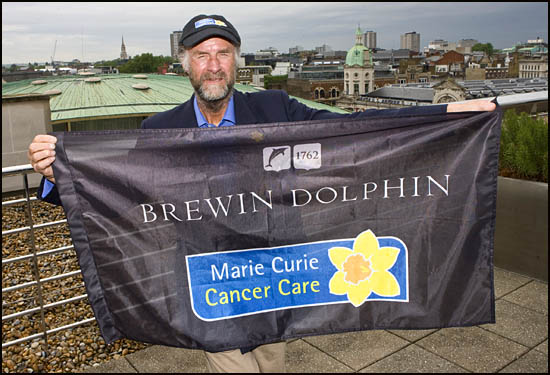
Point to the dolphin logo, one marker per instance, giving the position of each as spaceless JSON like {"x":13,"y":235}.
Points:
{"x":276,"y":152}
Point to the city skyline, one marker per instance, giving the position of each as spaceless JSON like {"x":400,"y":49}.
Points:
{"x":93,"y":31}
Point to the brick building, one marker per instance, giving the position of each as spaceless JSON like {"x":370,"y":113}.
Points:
{"x":451,"y":63}
{"x":323,"y":91}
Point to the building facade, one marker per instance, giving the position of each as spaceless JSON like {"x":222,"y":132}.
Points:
{"x":451,"y":63}
{"x":391,"y":57}
{"x":324,"y":50}
{"x":533,"y":67}
{"x":496,"y":72}
{"x":295,"y":50}
{"x":174,"y":43}
{"x":319,"y":90}
{"x":467,"y":42}
{"x":448,"y":91}
{"x":358,"y":69}
{"x":440,"y":45}
{"x":411,"y":41}
{"x":320,"y":81}
{"x":253,"y":74}
{"x":384,"y":75}
{"x":413,"y":71}
{"x":477,"y":74}
{"x":281,"y":68}
{"x":369,"y":39}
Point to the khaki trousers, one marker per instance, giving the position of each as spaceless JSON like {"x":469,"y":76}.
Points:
{"x":265,"y":358}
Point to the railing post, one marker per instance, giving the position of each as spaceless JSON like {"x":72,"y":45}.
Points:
{"x":35,"y":261}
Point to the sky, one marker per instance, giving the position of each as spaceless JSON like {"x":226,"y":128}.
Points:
{"x":93,"y":31}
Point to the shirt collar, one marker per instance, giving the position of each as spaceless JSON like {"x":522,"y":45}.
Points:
{"x":227,"y":120}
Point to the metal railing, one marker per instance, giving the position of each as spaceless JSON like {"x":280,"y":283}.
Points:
{"x":515,"y":99}
{"x":24,"y":170}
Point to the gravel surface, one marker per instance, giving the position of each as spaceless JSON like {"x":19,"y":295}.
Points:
{"x":69,"y":350}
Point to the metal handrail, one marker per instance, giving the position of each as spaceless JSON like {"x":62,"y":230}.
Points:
{"x":47,"y":252}
{"x":37,"y":226}
{"x":17,"y":169}
{"x":47,"y":279}
{"x":55,"y":304}
{"x":45,"y":333}
{"x":515,"y":99}
{"x":16,"y":201}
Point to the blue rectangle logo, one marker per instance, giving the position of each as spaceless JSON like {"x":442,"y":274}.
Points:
{"x":209,"y":21}
{"x":236,"y":283}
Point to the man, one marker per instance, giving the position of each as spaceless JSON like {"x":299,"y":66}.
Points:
{"x":210,"y":48}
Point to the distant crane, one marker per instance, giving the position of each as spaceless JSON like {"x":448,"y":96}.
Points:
{"x":53,"y":56}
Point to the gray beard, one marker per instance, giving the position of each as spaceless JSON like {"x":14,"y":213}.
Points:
{"x":212,"y":99}
{"x":212,"y":96}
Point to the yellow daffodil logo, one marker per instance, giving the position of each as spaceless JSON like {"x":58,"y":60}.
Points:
{"x":364,"y":269}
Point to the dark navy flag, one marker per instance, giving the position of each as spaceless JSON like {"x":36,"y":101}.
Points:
{"x":239,"y":236}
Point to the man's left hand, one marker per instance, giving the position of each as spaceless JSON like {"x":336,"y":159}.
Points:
{"x":476,"y":105}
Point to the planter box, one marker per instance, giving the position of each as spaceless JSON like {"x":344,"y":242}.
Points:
{"x":521,"y":234}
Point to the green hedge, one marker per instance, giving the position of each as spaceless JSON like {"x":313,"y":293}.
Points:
{"x":524,"y":147}
{"x":269,"y":80}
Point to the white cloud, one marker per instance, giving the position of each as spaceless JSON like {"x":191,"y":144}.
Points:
{"x":14,"y":28}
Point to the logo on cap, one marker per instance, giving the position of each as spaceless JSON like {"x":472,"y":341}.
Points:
{"x":209,"y":21}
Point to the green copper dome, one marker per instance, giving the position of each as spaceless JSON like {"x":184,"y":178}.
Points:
{"x":356,"y":55}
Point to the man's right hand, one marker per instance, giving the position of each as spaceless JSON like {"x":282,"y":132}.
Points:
{"x":41,"y":154}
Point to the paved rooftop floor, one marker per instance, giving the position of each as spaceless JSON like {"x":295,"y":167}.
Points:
{"x":517,"y":343}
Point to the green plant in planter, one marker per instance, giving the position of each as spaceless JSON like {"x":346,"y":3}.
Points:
{"x":524,"y":147}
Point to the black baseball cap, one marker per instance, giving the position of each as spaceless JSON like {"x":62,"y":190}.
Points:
{"x":202,"y":27}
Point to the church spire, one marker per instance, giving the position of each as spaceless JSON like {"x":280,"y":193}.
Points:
{"x":358,"y":36}
{"x":123,"y":54}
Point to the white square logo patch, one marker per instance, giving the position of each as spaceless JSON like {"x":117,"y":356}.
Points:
{"x":307,"y":156}
{"x":277,"y":158}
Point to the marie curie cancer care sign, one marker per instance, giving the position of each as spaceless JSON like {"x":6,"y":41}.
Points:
{"x":236,"y":283}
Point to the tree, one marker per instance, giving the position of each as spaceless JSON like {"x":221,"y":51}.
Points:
{"x":115,"y":62}
{"x":524,"y":147}
{"x":484,"y":47}
{"x":270,"y":80}
{"x":145,"y":63}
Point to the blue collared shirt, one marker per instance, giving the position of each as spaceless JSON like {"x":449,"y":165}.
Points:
{"x":48,"y":186}
{"x":227,"y":120}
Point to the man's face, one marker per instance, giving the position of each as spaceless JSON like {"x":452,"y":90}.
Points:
{"x":212,"y":69}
